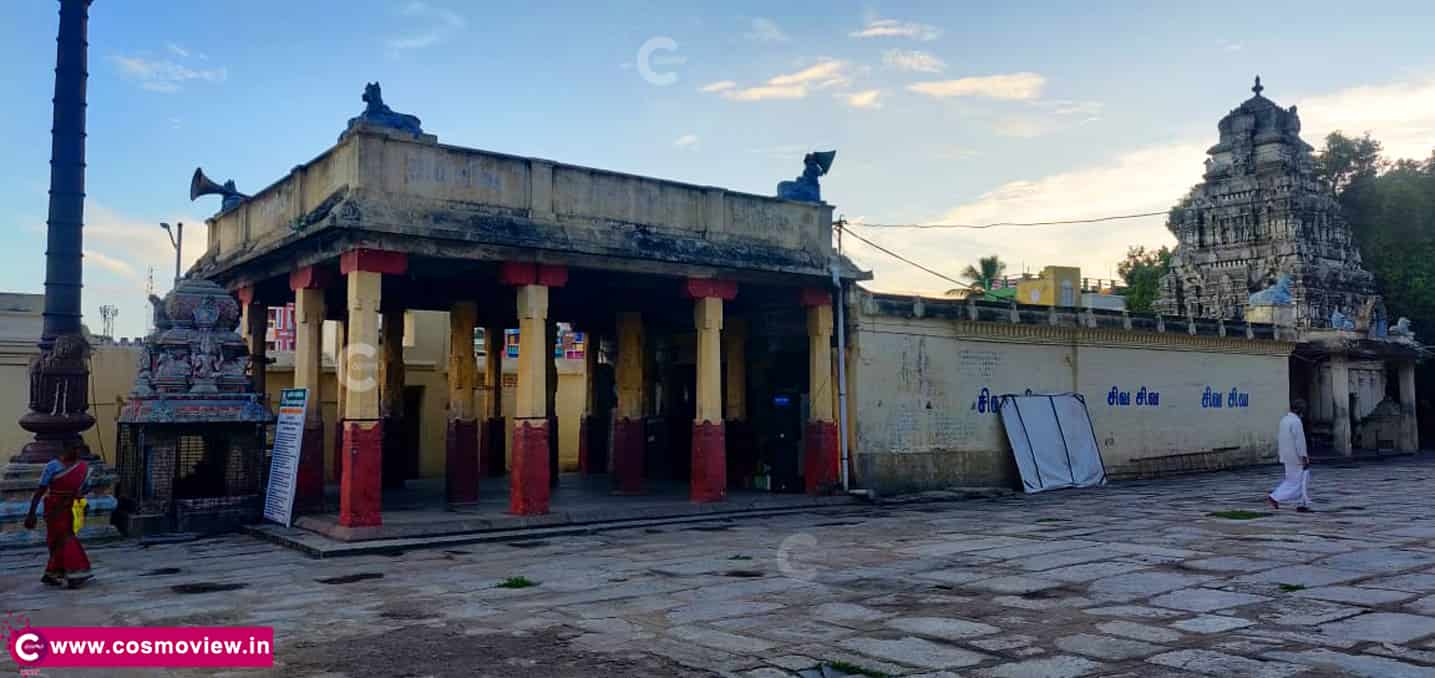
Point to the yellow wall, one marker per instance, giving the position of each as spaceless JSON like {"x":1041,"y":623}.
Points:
{"x":921,"y":422}
{"x":1046,"y":289}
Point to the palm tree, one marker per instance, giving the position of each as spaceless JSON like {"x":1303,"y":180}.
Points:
{"x":988,"y":270}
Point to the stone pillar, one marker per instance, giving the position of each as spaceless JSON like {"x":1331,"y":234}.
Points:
{"x":308,"y":284}
{"x":1409,"y":421}
{"x":820,"y":453}
{"x":254,"y":327}
{"x":628,"y":420}
{"x":529,"y":480}
{"x":461,"y":451}
{"x":495,"y":432}
{"x":341,"y":379}
{"x":1340,"y":405}
{"x":360,"y":490}
{"x":391,"y":398}
{"x":709,"y":460}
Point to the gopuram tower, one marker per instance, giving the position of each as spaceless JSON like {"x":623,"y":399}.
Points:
{"x":1261,"y":215}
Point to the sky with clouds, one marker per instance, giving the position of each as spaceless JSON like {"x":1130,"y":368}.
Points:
{"x":940,"y":112}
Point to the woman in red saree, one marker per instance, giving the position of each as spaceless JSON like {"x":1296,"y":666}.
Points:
{"x":62,"y":482}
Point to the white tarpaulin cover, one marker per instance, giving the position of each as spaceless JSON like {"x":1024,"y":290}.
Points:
{"x":1053,"y":441}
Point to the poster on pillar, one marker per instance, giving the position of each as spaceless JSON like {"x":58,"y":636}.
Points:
{"x":284,"y":464}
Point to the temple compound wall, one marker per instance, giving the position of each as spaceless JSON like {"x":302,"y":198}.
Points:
{"x":927,"y":375}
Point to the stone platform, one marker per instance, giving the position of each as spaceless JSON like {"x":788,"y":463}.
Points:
{"x":416,"y":517}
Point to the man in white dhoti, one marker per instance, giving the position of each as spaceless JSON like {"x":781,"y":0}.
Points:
{"x":1291,"y":443}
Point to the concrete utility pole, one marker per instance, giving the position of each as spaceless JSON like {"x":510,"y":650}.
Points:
{"x":59,"y":378}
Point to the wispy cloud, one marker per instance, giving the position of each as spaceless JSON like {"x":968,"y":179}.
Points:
{"x":825,"y":74}
{"x":870,"y":98}
{"x":177,"y":50}
{"x":913,"y":60}
{"x":1011,"y":86}
{"x":892,"y":28}
{"x":686,"y":142}
{"x":164,"y":75}
{"x":436,"y":24}
{"x":766,"y":30}
{"x":1399,"y":114}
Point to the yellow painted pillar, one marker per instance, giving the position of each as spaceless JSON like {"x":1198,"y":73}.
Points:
{"x":529,"y":480}
{"x":709,"y":449}
{"x":820,"y":454}
{"x":529,"y":483}
{"x":461,"y":471}
{"x":361,"y":478}
{"x":628,"y":420}
{"x":308,"y":370}
{"x":361,"y":483}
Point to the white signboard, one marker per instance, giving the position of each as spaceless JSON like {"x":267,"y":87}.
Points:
{"x":284,"y":464}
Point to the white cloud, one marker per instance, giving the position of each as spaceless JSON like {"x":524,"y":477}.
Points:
{"x":686,"y":142}
{"x":864,"y":99}
{"x":163,"y":75}
{"x":892,"y":28}
{"x":1401,"y":115}
{"x":120,"y":250}
{"x":825,"y":74}
{"x":1148,"y":179}
{"x":765,"y":92}
{"x":437,"y":24}
{"x":177,"y":50}
{"x":1145,"y":180}
{"x":913,"y":60}
{"x":1009,"y":86}
{"x":766,"y":30}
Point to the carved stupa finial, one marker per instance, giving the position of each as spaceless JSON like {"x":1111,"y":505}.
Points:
{"x":1258,"y":88}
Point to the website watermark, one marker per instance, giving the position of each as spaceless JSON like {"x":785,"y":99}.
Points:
{"x":35,"y":648}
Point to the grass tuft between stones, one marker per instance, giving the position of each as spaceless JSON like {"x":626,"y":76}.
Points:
{"x":851,"y":669}
{"x":517,"y":583}
{"x":1239,"y":515}
{"x":1291,"y":588}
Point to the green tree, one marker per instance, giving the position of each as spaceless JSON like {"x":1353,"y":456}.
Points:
{"x":986,"y":271}
{"x":1346,"y":161}
{"x":1142,"y":270}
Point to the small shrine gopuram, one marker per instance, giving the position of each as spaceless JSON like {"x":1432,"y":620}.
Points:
{"x":718,"y":304}
{"x":1261,"y":239}
{"x":191,"y":446}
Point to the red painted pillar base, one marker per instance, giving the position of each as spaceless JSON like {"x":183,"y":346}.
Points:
{"x":528,"y":483}
{"x":585,"y":465}
{"x":709,"y":481}
{"x":628,"y":456}
{"x":309,"y":482}
{"x":820,"y":458}
{"x":461,"y":472}
{"x":361,"y":490}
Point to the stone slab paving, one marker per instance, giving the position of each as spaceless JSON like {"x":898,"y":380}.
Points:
{"x":1134,"y":579}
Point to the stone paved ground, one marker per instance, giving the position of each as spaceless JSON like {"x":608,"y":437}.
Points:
{"x":1135,"y":579}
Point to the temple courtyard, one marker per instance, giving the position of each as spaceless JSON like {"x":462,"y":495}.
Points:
{"x":1173,"y":577}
